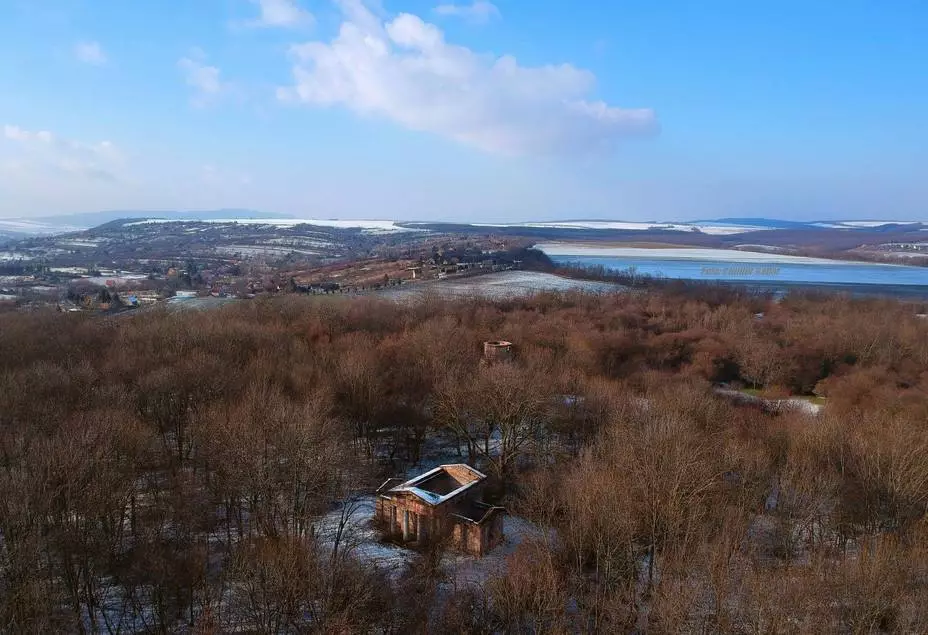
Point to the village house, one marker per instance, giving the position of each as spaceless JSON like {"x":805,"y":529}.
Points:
{"x":446,"y":501}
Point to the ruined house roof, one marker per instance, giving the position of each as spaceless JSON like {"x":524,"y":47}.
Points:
{"x":439,"y":485}
{"x":476,"y":512}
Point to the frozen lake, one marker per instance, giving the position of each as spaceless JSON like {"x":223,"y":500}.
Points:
{"x":750,"y":268}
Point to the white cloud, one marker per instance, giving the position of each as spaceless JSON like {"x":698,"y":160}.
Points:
{"x":205,"y":80}
{"x":477,"y":11}
{"x":43,"y":151}
{"x":404,"y":70}
{"x":90,"y":53}
{"x":282,"y":13}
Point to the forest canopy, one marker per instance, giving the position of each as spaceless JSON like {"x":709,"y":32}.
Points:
{"x":164,"y":472}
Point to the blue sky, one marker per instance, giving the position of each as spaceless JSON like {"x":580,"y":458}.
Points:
{"x":469,"y":110}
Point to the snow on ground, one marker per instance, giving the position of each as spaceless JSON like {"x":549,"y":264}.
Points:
{"x":682,"y":253}
{"x":299,"y":241}
{"x":727,"y":230}
{"x":625,"y":225}
{"x":362,"y":539}
{"x":465,"y":569}
{"x":180,"y":303}
{"x":263,"y":250}
{"x":846,"y":224}
{"x":803,"y":405}
{"x":89,"y":243}
{"x":368,"y":226}
{"x":122,"y":278}
{"x":359,"y":537}
{"x":905,"y":254}
{"x":350,"y":524}
{"x":72,"y":270}
{"x":800,"y":404}
{"x":499,"y":285}
{"x":35,"y":228}
{"x":706,"y":228}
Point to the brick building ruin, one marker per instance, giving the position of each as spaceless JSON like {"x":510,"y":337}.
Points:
{"x":498,"y":351}
{"x":446,"y":501}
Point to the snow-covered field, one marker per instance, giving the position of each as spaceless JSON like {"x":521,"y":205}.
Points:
{"x":117,"y":281}
{"x":706,"y":228}
{"x":88,"y":243}
{"x":368,"y":226}
{"x":503,"y":284}
{"x":682,"y":253}
{"x":263,"y":250}
{"x":857,"y":224}
{"x":34,"y":228}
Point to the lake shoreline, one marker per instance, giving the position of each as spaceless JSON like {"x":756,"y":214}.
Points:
{"x":556,"y":249}
{"x":760,"y":272}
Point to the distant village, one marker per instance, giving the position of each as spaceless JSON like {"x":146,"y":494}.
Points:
{"x":57,"y":278}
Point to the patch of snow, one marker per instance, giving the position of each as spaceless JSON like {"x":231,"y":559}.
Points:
{"x":35,"y":228}
{"x":263,"y":250}
{"x":471,"y":570}
{"x":89,"y":243}
{"x":706,"y":228}
{"x":368,"y":226}
{"x":850,"y":224}
{"x":350,"y":524}
{"x":878,"y":223}
{"x":790,"y":403}
{"x":728,"y":230}
{"x":499,"y":285}
{"x":802,"y":405}
{"x":109,"y":281}
{"x":906,"y":254}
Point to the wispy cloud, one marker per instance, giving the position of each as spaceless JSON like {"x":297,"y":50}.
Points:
{"x":405,"y":71}
{"x":42,"y":150}
{"x":477,"y":11}
{"x":90,"y":53}
{"x":205,"y":80}
{"x":281,"y":13}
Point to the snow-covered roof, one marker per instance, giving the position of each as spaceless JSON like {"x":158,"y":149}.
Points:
{"x":412,"y":486}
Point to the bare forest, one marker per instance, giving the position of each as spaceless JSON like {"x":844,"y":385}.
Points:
{"x":168,"y":472}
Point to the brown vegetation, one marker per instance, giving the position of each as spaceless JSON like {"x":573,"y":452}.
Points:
{"x":168,"y":472}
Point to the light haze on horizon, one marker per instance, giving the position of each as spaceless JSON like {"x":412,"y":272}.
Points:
{"x":466,"y":110}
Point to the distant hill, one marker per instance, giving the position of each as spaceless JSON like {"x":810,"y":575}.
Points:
{"x":93,"y":219}
{"x":757,"y":222}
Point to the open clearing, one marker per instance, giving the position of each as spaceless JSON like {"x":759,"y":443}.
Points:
{"x":503,"y":284}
